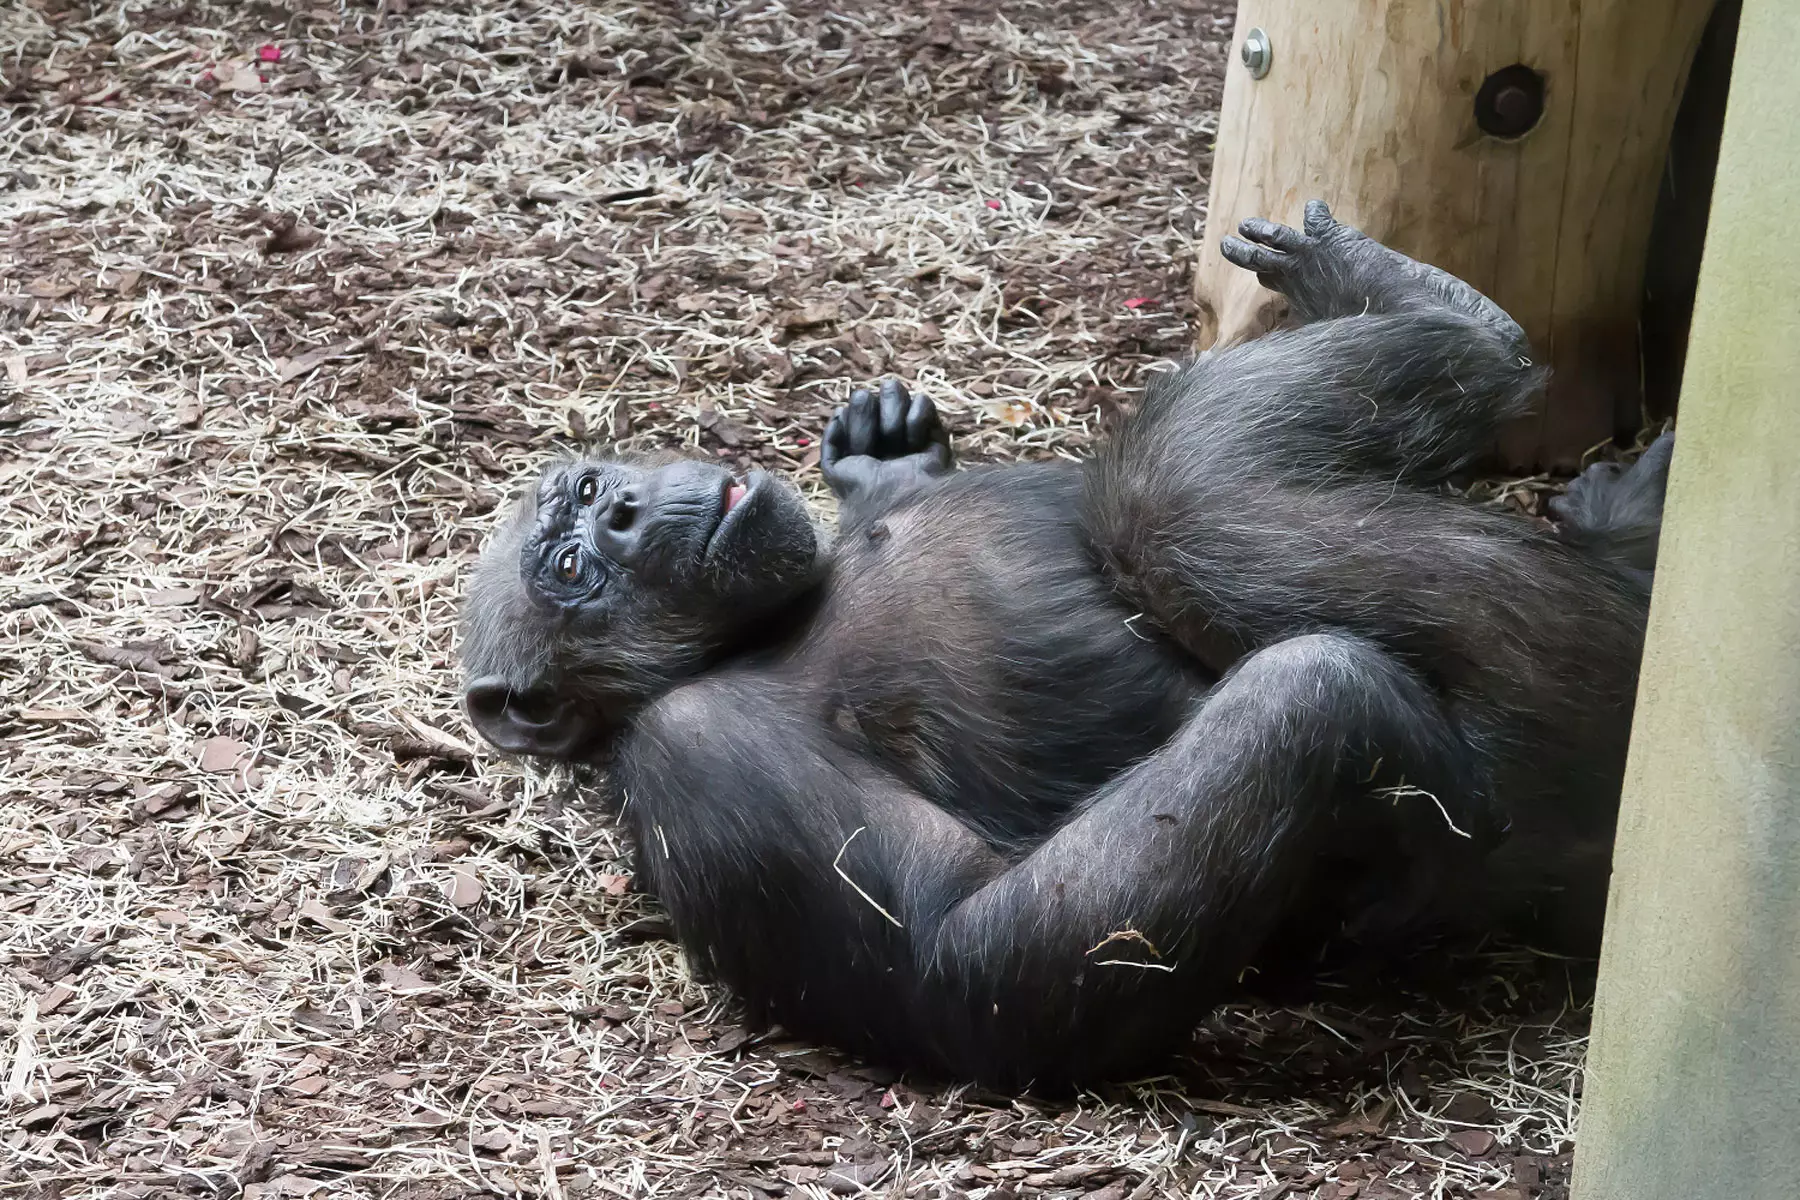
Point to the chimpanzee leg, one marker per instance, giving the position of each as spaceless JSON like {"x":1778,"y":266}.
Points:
{"x":1278,"y":488}
{"x":1409,"y":397}
{"x":845,"y":906}
{"x":1401,"y":369}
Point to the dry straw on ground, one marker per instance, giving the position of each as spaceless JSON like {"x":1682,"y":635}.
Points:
{"x":278,"y":329}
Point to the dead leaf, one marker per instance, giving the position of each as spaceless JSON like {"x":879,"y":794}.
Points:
{"x":49,"y":289}
{"x":223,"y":755}
{"x":396,"y":1080}
{"x":852,"y":1178}
{"x":726,"y":430}
{"x":129,"y":421}
{"x":160,"y":800}
{"x":176,"y":597}
{"x":695,"y":302}
{"x":292,"y":369}
{"x":151,"y":659}
{"x":549,"y":1108}
{"x":43,"y":1114}
{"x":1473,"y":1142}
{"x":54,"y":999}
{"x":314,"y":910}
{"x":238,"y":77}
{"x":464,"y":887}
{"x":615,"y":885}
{"x":444,"y":745}
{"x":353,"y":874}
{"x":402,"y":979}
{"x":812,"y":314}
{"x":312,"y":1085}
{"x":15,"y":368}
{"x":52,"y":715}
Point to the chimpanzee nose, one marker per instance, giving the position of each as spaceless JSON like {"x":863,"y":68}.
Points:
{"x":622,"y":512}
{"x":619,"y":524}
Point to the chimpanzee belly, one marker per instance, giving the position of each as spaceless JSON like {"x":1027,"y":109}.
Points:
{"x":1053,"y":687}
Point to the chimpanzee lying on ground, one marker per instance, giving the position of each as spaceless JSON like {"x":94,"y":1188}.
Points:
{"x":1010,"y":781}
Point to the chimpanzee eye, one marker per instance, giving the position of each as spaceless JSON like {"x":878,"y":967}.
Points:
{"x":568,"y":565}
{"x":587,"y":490}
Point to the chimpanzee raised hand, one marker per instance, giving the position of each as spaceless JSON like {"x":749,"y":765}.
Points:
{"x":1015,"y":777}
{"x":875,"y":450}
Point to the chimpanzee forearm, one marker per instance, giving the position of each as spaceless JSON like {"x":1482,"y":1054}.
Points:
{"x":845,"y":907}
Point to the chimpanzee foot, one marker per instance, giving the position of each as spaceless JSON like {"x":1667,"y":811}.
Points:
{"x":1619,"y":509}
{"x":1330,"y":269}
{"x":883,"y":439}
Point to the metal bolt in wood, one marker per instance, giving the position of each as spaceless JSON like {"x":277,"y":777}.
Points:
{"x":1257,"y":53}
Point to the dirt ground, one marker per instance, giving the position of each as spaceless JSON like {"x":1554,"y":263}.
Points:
{"x":292,"y":294}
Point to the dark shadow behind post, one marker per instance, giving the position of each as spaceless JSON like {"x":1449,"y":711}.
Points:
{"x":1678,"y":231}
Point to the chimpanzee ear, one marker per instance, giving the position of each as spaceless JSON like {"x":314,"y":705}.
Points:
{"x":536,"y":722}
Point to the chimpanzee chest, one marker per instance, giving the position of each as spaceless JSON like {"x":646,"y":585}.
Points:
{"x":979,"y":655}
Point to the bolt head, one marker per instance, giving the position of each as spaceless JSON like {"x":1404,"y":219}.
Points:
{"x":1257,"y":53}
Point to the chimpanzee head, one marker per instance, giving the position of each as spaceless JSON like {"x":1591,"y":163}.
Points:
{"x":613,"y":580}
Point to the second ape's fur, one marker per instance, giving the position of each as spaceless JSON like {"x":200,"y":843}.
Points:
{"x":1013,"y":780}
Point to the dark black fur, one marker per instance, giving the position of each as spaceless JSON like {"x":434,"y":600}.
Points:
{"x":1011,"y":782}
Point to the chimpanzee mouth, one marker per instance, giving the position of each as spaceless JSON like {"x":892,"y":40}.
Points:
{"x":732,"y":495}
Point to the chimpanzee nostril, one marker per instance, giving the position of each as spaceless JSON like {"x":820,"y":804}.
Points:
{"x":623,"y":513}
{"x":487,"y":699}
{"x":537,"y":707}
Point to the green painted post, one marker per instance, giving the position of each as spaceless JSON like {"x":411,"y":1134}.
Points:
{"x":1693,"y":1088}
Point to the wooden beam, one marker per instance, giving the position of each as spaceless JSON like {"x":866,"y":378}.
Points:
{"x":1372,"y":105}
{"x":1694,"y":1074}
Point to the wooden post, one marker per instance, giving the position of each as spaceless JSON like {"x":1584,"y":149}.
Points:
{"x":1373,"y":106}
{"x":1693,"y":1088}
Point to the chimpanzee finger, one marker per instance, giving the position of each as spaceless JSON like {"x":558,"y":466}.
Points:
{"x":893,"y":419}
{"x":835,"y":442}
{"x":859,"y":422}
{"x":1319,"y":221}
{"x":922,"y":424}
{"x":1269,"y":233}
{"x":1252,"y":257}
{"x":936,"y":457}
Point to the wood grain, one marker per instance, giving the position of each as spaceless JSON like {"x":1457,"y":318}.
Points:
{"x":1369,"y":104}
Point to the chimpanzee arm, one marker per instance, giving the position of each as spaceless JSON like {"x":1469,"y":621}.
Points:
{"x":876,"y":452}
{"x":841,"y":904}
